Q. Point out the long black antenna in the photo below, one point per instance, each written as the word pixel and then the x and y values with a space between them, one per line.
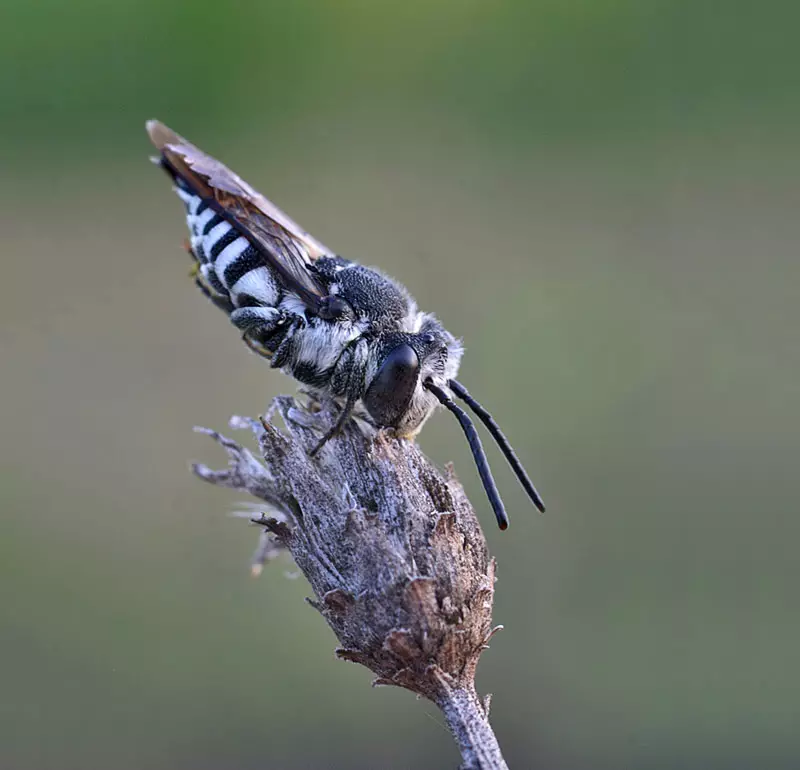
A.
pixel 502 442
pixel 477 452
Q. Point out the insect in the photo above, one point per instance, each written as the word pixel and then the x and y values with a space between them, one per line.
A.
pixel 344 330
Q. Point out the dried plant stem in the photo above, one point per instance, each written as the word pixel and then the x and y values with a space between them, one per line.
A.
pixel 393 552
pixel 470 726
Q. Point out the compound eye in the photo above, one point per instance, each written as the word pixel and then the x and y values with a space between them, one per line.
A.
pixel 391 389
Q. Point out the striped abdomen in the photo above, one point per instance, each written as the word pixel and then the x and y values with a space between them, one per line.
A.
pixel 230 266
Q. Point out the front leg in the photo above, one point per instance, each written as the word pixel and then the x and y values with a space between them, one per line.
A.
pixel 348 380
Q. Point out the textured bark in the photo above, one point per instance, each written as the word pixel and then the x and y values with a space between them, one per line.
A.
pixel 393 552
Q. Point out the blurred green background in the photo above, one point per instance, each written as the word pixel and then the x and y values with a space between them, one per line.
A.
pixel 600 196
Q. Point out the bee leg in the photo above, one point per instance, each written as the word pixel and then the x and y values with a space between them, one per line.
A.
pixel 344 417
pixel 222 302
pixel 284 350
pixel 349 374
pixel 262 319
pixel 256 346
pixel 256 324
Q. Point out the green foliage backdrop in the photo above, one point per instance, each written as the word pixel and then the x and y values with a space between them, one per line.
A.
pixel 600 196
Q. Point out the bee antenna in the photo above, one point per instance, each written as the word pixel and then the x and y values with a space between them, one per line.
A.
pixel 502 442
pixel 477 452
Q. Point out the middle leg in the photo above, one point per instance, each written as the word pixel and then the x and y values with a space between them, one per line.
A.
pixel 349 381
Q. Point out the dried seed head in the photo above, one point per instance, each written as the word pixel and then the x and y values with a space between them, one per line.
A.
pixel 391 548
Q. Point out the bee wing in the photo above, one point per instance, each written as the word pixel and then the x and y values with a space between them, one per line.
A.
pixel 289 250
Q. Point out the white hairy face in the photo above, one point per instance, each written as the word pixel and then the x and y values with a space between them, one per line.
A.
pixel 440 366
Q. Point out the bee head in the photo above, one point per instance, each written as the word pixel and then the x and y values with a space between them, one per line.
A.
pixel 396 396
pixel 414 372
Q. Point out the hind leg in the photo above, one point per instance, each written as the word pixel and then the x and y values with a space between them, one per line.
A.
pixel 220 300
pixel 261 319
pixel 206 280
pixel 260 326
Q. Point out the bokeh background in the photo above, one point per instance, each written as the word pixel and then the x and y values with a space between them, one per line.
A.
pixel 600 196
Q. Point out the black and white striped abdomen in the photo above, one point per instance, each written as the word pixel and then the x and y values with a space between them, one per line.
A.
pixel 229 263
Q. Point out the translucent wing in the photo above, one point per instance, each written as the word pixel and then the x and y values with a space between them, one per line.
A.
pixel 288 249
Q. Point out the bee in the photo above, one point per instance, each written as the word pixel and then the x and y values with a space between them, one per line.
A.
pixel 345 331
